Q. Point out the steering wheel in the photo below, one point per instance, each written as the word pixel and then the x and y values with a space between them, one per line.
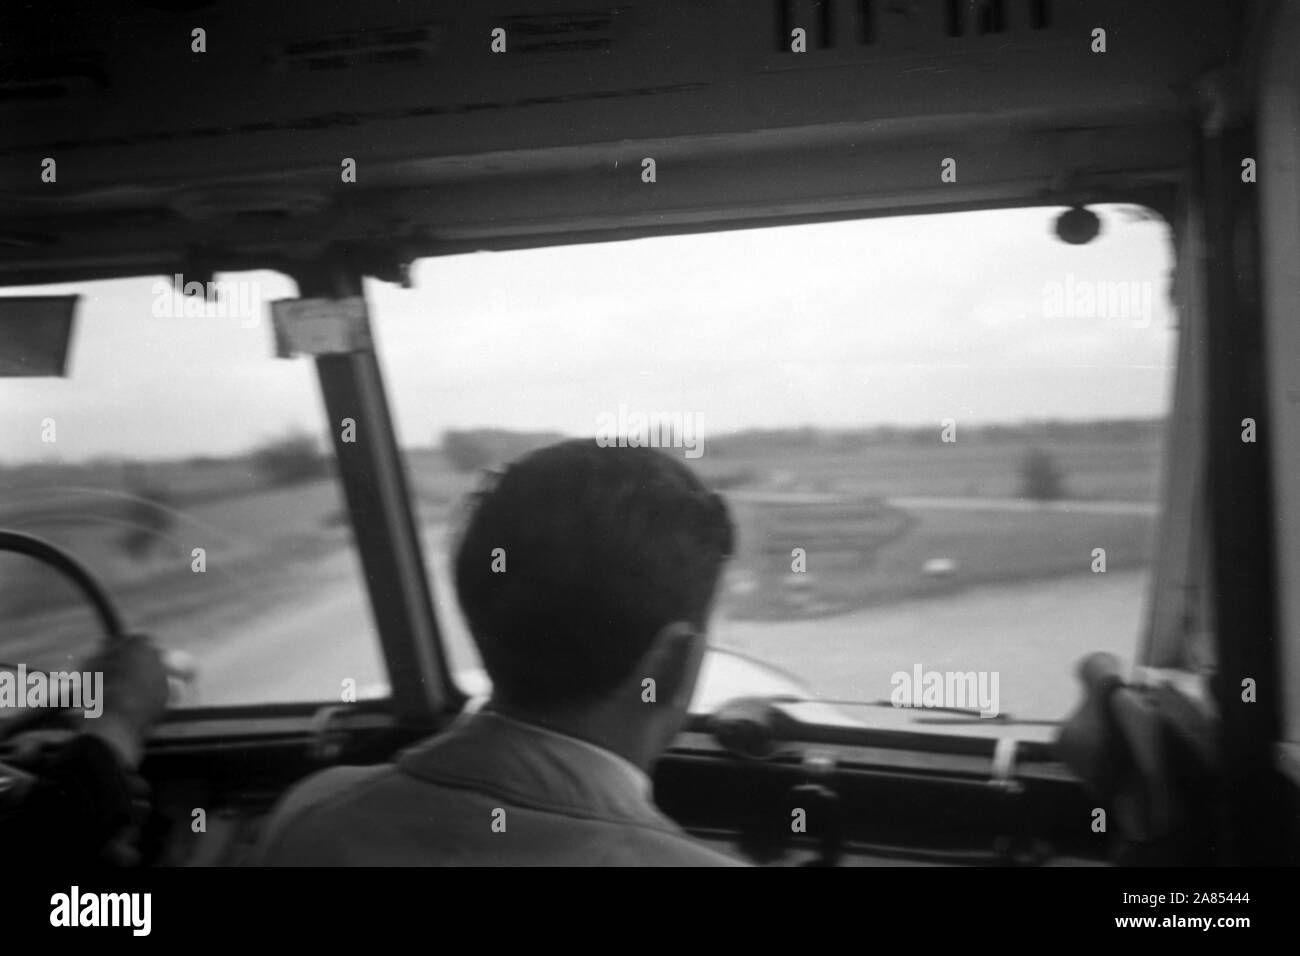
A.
pixel 76 572
pixel 17 542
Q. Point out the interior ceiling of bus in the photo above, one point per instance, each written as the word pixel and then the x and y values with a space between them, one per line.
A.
pixel 170 160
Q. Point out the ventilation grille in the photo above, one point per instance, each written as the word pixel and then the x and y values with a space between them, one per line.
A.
pixel 23 83
pixel 844 24
pixel 982 17
pixel 341 51
pixel 561 32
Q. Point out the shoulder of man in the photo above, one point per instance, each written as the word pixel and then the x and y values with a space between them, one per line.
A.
pixel 299 831
pixel 309 827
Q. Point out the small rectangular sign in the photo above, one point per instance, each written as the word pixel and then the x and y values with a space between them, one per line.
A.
pixel 34 334
pixel 321 326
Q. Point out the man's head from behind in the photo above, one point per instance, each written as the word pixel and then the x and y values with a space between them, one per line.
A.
pixel 586 570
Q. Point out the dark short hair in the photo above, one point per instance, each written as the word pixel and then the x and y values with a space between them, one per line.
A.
pixel 603 547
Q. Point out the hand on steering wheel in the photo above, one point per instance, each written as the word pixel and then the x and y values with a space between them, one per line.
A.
pixel 135 678
pixel 135 693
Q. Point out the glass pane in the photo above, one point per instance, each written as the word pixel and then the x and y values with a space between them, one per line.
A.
pixel 958 418
pixel 189 468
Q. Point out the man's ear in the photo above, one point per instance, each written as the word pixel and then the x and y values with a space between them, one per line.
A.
pixel 673 660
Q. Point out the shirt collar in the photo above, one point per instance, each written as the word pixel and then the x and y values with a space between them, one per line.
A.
pixel 529 765
pixel 618 765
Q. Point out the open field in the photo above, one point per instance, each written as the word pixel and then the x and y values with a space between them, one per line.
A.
pixel 853 562
pixel 1092 469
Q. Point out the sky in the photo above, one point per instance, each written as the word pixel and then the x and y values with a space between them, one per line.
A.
pixel 980 317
